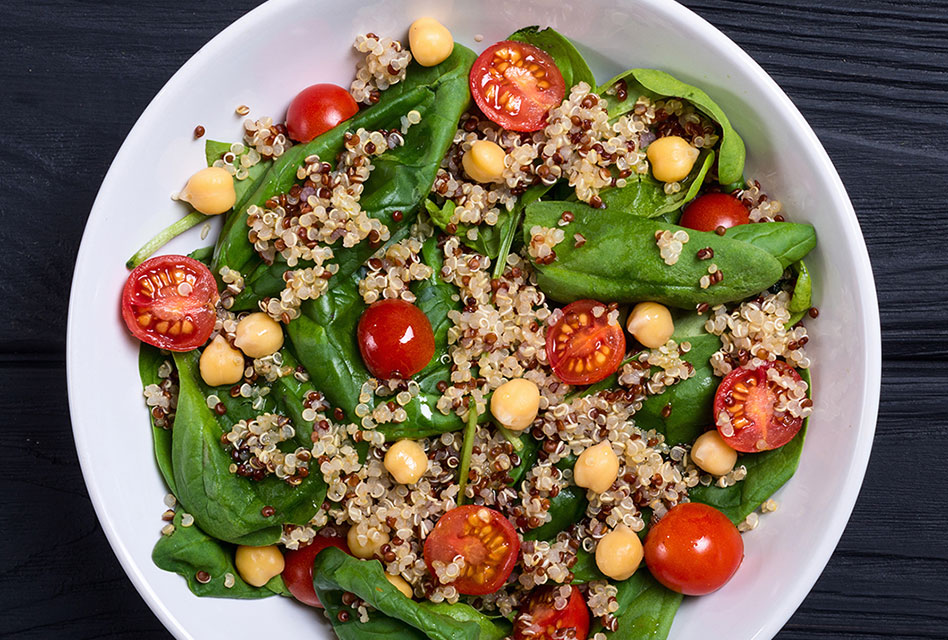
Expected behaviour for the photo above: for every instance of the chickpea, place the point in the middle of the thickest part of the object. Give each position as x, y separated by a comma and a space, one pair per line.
713, 454
484, 161
596, 468
651, 324
619, 553
672, 158
406, 461
430, 41
374, 539
515, 403
210, 191
257, 565
401, 584
258, 335
221, 363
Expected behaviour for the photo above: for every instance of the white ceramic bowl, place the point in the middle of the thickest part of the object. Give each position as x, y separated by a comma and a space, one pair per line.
262, 60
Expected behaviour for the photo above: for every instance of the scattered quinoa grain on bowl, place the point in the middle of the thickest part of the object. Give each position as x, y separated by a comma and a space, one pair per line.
482, 348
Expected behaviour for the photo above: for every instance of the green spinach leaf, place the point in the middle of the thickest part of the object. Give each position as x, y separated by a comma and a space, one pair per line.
189, 550
564, 53
149, 360
620, 260
802, 294
691, 400
644, 196
567, 508
656, 84
224, 505
646, 608
214, 150
336, 573
401, 179
766, 473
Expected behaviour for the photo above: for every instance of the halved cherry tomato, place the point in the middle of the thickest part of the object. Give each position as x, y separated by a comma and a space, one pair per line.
298, 568
694, 549
713, 210
582, 347
516, 84
539, 619
484, 538
395, 339
169, 302
750, 399
317, 109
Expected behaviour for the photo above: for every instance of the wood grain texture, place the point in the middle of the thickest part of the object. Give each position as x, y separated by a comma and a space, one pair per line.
870, 76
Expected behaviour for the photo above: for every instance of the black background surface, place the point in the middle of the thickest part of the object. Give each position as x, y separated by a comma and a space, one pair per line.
870, 76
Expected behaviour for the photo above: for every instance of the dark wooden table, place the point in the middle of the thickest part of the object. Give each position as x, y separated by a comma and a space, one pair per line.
871, 76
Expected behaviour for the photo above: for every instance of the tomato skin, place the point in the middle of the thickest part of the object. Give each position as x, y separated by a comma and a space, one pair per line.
538, 619
395, 339
463, 531
713, 210
694, 549
157, 313
575, 343
298, 568
509, 93
317, 109
747, 395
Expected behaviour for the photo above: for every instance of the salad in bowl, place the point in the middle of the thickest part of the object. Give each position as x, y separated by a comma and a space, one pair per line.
485, 348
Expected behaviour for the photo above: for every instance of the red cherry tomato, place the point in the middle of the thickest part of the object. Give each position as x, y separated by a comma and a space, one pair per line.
582, 347
298, 568
713, 210
749, 397
694, 549
539, 619
516, 84
486, 540
169, 302
395, 339
317, 109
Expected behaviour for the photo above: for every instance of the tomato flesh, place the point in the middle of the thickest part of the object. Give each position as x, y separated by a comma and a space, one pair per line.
395, 339
169, 302
584, 348
516, 84
750, 398
694, 549
484, 538
539, 619
713, 210
298, 568
317, 109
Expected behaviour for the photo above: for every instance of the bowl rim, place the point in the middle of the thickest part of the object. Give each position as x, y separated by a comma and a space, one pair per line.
872, 347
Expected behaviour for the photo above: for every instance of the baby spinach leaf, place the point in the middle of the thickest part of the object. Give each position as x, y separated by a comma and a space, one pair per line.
691, 400
149, 359
656, 84
620, 260
644, 196
786, 241
585, 569
646, 608
802, 294
336, 573
567, 508
564, 53
189, 550
324, 338
224, 505
766, 473
401, 179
